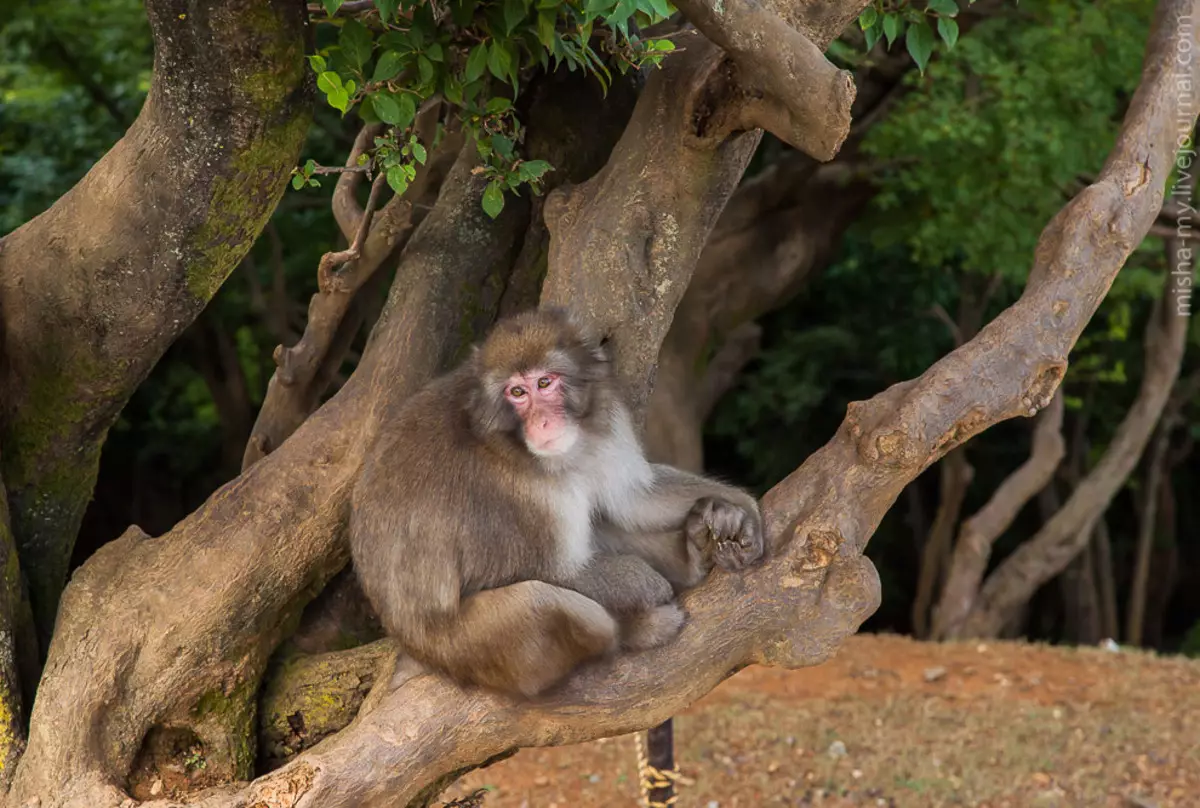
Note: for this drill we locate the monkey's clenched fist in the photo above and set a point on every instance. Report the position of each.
(727, 533)
(507, 525)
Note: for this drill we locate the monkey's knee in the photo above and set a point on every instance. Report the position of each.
(651, 628)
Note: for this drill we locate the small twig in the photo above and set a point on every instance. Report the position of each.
(938, 311)
(345, 206)
(346, 9)
(363, 169)
(327, 281)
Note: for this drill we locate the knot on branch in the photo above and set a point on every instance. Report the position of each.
(1043, 387)
(845, 594)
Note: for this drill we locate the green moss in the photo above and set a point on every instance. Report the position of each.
(282, 58)
(243, 200)
(225, 725)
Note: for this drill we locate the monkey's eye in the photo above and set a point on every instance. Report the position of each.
(516, 392)
(543, 382)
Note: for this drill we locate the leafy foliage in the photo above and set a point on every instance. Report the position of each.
(68, 90)
(889, 19)
(1010, 120)
(474, 55)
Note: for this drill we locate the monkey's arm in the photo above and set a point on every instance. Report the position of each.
(636, 594)
(682, 524)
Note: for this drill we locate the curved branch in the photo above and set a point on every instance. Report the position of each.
(170, 210)
(979, 533)
(1058, 542)
(306, 368)
(785, 83)
(346, 210)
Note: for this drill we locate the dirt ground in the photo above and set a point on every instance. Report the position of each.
(893, 722)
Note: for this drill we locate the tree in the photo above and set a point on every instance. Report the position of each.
(172, 634)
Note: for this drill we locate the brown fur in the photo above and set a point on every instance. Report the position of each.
(468, 545)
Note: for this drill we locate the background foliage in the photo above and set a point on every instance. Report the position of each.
(991, 138)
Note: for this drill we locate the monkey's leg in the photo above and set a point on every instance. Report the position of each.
(636, 594)
(521, 638)
(683, 524)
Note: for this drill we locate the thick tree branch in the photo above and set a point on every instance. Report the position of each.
(1058, 542)
(785, 83)
(979, 533)
(170, 211)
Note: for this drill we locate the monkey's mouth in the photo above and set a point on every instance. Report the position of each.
(555, 445)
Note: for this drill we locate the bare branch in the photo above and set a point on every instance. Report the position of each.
(346, 209)
(306, 369)
(979, 533)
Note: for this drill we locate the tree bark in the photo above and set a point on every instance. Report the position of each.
(1106, 580)
(87, 310)
(977, 535)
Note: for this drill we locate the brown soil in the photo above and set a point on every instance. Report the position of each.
(893, 722)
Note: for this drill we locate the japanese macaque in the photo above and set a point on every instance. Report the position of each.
(507, 525)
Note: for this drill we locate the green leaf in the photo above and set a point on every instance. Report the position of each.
(498, 104)
(661, 45)
(329, 82)
(476, 62)
(493, 199)
(619, 18)
(389, 66)
(503, 146)
(387, 9)
(920, 44)
(514, 13)
(426, 69)
(948, 30)
(408, 110)
(419, 153)
(873, 33)
(386, 107)
(314, 183)
(533, 169)
(893, 25)
(499, 61)
(317, 63)
(395, 40)
(434, 52)
(397, 179)
(298, 181)
(339, 100)
(947, 7)
(350, 87)
(461, 11)
(452, 89)
(545, 28)
(868, 17)
(309, 167)
(331, 6)
(356, 42)
(661, 8)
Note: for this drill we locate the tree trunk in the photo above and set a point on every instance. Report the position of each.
(1106, 580)
(87, 309)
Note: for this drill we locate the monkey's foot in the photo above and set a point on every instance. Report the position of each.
(728, 533)
(651, 628)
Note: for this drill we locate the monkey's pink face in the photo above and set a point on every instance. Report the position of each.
(537, 397)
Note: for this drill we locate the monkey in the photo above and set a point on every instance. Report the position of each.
(507, 527)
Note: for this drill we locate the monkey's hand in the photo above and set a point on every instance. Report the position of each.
(729, 534)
